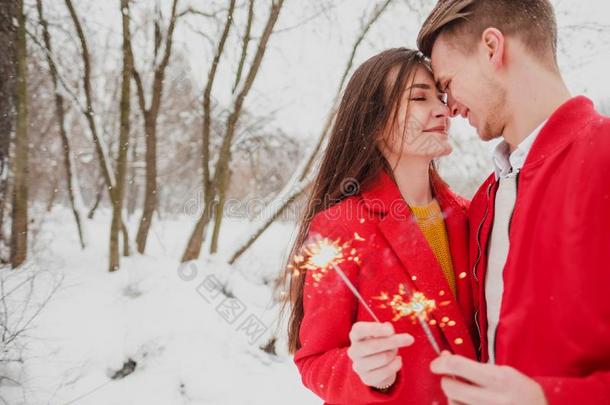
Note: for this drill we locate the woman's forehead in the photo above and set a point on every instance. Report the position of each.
(421, 76)
(424, 76)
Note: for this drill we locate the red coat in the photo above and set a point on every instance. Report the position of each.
(393, 251)
(555, 315)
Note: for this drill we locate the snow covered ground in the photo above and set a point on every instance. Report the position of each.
(190, 345)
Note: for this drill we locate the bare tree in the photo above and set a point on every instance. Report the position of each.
(19, 224)
(89, 113)
(303, 176)
(100, 186)
(193, 247)
(117, 202)
(151, 114)
(8, 40)
(222, 174)
(72, 184)
(216, 186)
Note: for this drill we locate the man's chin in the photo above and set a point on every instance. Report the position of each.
(487, 134)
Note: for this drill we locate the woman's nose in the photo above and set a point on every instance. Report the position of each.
(442, 111)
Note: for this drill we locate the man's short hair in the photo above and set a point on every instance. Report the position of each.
(532, 21)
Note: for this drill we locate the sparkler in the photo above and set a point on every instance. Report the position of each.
(324, 254)
(418, 308)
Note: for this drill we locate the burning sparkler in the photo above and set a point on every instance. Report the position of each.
(418, 308)
(324, 254)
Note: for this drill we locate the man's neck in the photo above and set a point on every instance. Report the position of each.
(412, 176)
(534, 100)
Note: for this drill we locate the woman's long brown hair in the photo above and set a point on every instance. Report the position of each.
(352, 153)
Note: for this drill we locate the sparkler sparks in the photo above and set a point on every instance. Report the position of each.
(323, 254)
(418, 308)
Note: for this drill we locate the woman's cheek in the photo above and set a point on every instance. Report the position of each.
(419, 120)
(415, 127)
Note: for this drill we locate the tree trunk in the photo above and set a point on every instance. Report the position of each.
(19, 229)
(193, 247)
(100, 148)
(98, 198)
(150, 128)
(150, 188)
(71, 180)
(125, 233)
(222, 185)
(8, 40)
(117, 203)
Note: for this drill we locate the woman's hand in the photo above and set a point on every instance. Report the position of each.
(374, 352)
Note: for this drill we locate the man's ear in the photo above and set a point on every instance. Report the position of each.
(493, 42)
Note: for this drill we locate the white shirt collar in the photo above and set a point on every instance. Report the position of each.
(506, 163)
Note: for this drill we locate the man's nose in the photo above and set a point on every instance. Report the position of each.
(454, 110)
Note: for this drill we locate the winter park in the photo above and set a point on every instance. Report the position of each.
(229, 202)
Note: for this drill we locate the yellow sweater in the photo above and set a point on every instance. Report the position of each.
(431, 222)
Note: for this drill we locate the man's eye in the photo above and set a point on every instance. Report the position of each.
(418, 99)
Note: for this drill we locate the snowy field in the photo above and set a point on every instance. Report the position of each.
(189, 347)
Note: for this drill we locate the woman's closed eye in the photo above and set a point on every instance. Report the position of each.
(419, 95)
(441, 97)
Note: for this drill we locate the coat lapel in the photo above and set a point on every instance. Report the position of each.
(423, 271)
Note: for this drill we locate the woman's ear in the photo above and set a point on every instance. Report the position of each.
(493, 42)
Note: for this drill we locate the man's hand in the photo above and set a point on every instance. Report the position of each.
(374, 352)
(485, 384)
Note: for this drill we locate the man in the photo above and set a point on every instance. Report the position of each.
(540, 224)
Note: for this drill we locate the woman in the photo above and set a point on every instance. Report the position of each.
(378, 195)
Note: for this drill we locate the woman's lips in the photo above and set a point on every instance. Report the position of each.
(437, 129)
